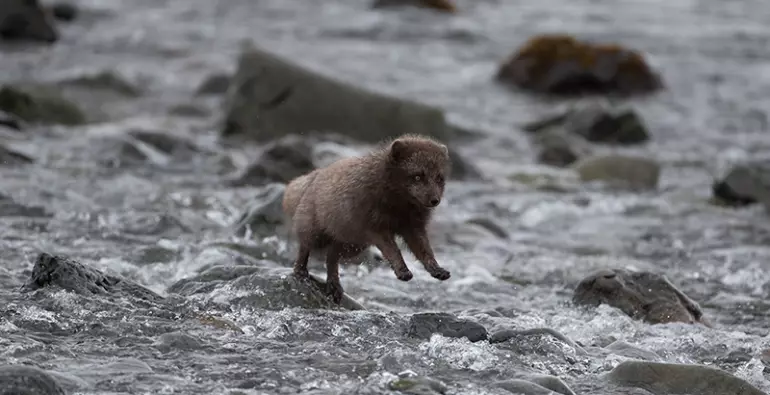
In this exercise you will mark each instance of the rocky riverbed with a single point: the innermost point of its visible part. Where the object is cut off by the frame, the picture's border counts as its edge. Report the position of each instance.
(598, 245)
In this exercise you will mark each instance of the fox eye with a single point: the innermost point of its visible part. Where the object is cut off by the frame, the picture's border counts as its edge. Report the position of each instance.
(416, 177)
(440, 179)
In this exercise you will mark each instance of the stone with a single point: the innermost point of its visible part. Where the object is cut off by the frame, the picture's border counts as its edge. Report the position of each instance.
(271, 97)
(215, 84)
(646, 296)
(562, 65)
(65, 12)
(671, 378)
(424, 325)
(68, 274)
(28, 380)
(10, 121)
(418, 385)
(596, 121)
(9, 157)
(26, 20)
(438, 5)
(745, 184)
(557, 155)
(262, 286)
(40, 105)
(618, 170)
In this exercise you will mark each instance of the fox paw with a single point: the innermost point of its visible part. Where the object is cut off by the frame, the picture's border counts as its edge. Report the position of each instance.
(335, 291)
(440, 273)
(405, 275)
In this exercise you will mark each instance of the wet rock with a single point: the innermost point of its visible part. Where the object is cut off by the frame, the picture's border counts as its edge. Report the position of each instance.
(40, 105)
(68, 274)
(439, 5)
(280, 161)
(271, 97)
(596, 121)
(105, 80)
(417, 385)
(670, 378)
(423, 325)
(557, 64)
(265, 214)
(641, 295)
(180, 341)
(10, 157)
(261, 287)
(9, 121)
(745, 184)
(557, 154)
(549, 382)
(28, 380)
(65, 12)
(508, 334)
(26, 20)
(629, 350)
(215, 84)
(618, 170)
(523, 387)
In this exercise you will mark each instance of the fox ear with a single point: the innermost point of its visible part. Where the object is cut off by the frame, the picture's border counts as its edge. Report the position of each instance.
(397, 150)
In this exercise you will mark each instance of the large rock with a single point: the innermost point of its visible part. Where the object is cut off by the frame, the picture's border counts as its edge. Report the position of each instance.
(618, 170)
(68, 274)
(641, 295)
(26, 20)
(596, 121)
(670, 378)
(439, 5)
(40, 105)
(262, 287)
(559, 64)
(271, 97)
(745, 184)
(28, 380)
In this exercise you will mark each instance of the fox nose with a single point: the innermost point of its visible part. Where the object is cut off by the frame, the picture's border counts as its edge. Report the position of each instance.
(434, 202)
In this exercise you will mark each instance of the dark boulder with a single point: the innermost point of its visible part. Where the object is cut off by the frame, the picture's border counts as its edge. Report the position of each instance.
(26, 20)
(558, 64)
(271, 97)
(596, 121)
(68, 274)
(641, 295)
(745, 184)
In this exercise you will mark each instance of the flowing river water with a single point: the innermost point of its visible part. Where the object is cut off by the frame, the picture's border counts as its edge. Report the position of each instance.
(155, 224)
